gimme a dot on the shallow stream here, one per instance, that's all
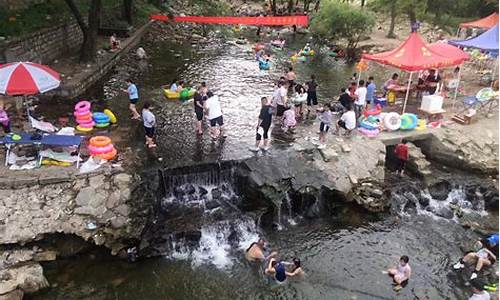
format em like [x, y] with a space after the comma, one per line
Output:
[343, 255]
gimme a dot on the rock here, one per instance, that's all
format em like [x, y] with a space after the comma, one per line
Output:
[122, 179]
[353, 179]
[85, 196]
[445, 212]
[202, 191]
[113, 199]
[28, 278]
[424, 201]
[216, 193]
[118, 222]
[16, 294]
[45, 256]
[211, 204]
[122, 210]
[440, 190]
[346, 148]
[96, 181]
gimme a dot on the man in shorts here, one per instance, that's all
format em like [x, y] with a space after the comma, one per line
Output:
[214, 114]
[199, 105]
[312, 98]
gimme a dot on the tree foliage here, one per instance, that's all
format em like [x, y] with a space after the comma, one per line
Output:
[337, 20]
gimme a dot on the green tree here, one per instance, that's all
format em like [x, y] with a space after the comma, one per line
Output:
[414, 9]
[342, 21]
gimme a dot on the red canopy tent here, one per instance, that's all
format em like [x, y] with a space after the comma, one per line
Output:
[414, 55]
[486, 22]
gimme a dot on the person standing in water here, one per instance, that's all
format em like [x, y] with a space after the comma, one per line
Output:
[276, 269]
[400, 273]
[133, 95]
[149, 121]
[325, 117]
[297, 270]
[255, 252]
[199, 106]
[402, 154]
[312, 98]
[263, 124]
[214, 114]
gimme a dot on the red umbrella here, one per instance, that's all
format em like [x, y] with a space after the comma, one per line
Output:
[26, 78]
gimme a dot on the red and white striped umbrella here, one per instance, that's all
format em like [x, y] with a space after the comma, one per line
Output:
[26, 78]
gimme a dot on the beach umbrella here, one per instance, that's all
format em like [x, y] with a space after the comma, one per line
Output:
[26, 78]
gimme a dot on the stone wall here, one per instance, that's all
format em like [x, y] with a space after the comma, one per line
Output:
[79, 83]
[43, 46]
[94, 207]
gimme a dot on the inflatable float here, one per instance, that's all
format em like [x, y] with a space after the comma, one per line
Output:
[307, 53]
[368, 132]
[392, 121]
[264, 65]
[258, 47]
[298, 58]
[421, 125]
[111, 115]
[485, 94]
[177, 95]
[373, 112]
[408, 121]
[278, 43]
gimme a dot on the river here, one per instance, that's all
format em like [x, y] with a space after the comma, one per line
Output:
[343, 255]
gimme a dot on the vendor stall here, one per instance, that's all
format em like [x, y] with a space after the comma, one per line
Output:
[414, 55]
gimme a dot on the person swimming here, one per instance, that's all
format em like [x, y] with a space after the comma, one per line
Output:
[297, 269]
[277, 270]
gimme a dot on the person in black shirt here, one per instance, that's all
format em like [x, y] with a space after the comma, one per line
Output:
[199, 99]
[263, 125]
[345, 99]
[312, 98]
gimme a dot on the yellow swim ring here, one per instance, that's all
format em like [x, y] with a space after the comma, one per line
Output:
[111, 115]
[83, 129]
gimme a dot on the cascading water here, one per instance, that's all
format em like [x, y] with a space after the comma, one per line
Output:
[223, 231]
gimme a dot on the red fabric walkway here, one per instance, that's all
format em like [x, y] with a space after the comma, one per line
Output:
[267, 21]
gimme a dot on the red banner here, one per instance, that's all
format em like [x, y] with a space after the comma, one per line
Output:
[267, 21]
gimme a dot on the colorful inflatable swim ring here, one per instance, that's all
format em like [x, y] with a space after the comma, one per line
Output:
[392, 121]
[258, 47]
[102, 125]
[89, 124]
[84, 119]
[485, 94]
[368, 132]
[408, 121]
[100, 150]
[84, 129]
[100, 117]
[108, 156]
[111, 115]
[264, 66]
[373, 112]
[176, 95]
[81, 113]
[369, 125]
[82, 106]
[421, 125]
[100, 141]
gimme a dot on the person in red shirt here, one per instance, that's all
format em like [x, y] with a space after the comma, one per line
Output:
[401, 153]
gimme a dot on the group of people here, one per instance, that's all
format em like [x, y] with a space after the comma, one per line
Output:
[274, 267]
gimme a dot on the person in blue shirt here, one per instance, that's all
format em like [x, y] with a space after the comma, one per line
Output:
[133, 95]
[371, 88]
[173, 86]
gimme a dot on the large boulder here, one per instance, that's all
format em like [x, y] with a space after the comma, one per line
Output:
[440, 190]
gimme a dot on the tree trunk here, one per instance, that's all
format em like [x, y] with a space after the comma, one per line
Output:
[391, 34]
[290, 6]
[87, 50]
[316, 7]
[128, 11]
[306, 6]
[362, 3]
[272, 3]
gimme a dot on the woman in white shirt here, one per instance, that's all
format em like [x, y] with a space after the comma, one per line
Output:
[214, 114]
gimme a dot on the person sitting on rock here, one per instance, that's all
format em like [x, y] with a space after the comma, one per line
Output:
[483, 256]
[114, 42]
[400, 273]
